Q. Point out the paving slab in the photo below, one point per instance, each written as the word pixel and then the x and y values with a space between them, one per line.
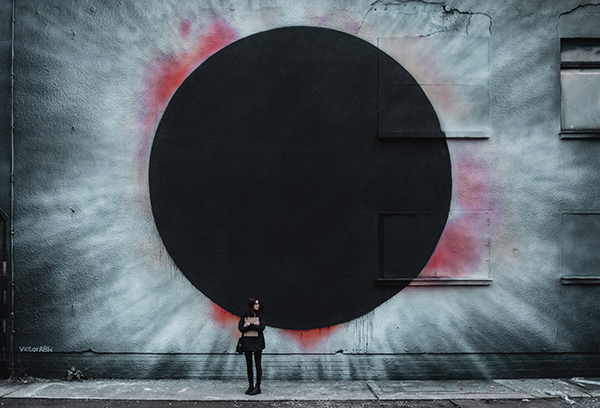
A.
pixel 506 404
pixel 195 390
pixel 544 388
pixel 9 388
pixel 590 385
pixel 439 390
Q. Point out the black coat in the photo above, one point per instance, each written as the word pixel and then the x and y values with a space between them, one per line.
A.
pixel 253 343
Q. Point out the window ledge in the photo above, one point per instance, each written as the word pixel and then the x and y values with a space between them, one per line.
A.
pixel 580 134
pixel 433 281
pixel 468 134
pixel 580 280
pixel 400 134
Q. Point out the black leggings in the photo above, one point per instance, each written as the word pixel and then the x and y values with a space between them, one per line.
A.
pixel 257 358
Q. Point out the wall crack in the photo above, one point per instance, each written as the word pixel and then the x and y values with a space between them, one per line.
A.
pixel 578 7
pixel 445 10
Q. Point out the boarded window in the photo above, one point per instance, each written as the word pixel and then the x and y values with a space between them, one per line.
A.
pixel 454 74
pixel 581 248
pixel 460 257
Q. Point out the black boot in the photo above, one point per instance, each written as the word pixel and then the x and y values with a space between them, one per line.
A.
pixel 249 390
pixel 255 391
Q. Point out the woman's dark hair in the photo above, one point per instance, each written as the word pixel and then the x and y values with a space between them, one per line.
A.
pixel 250 308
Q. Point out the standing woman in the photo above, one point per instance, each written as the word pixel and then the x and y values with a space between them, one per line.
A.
pixel 252 325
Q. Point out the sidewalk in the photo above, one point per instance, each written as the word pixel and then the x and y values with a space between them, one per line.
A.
pixel 220 390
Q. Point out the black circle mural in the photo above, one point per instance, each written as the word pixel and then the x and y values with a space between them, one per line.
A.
pixel 273 163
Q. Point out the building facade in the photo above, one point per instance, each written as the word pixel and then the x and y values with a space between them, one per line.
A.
pixel 411 188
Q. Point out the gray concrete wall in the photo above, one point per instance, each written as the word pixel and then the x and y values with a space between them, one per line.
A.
pixel 95 286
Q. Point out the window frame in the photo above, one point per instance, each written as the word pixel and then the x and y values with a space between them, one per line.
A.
pixel 398 280
pixel 574 279
pixel 580 65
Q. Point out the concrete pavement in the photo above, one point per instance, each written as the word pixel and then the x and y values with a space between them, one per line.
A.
pixel 375 390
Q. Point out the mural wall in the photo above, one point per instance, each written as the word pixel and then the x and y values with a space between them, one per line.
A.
pixel 394 181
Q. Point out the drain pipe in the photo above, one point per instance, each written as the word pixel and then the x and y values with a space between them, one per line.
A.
pixel 11 346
